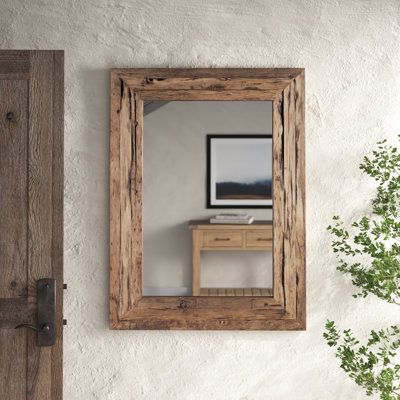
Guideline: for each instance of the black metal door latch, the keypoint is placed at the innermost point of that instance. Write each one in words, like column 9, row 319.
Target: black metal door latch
column 46, row 311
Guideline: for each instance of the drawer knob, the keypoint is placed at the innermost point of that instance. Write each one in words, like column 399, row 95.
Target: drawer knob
column 222, row 239
column 262, row 239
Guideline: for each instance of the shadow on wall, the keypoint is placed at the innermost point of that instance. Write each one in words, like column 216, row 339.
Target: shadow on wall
column 88, row 156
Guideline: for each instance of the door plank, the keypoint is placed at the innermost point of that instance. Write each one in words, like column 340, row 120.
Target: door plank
column 14, row 64
column 16, row 311
column 12, row 364
column 58, row 226
column 13, row 184
column 40, row 208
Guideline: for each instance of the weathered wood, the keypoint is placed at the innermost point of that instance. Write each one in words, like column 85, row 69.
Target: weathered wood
column 14, row 64
column 17, row 311
column 225, row 322
column 12, row 364
column 14, row 187
column 186, row 95
column 269, row 74
column 34, row 136
column 209, row 302
column 286, row 308
column 179, row 314
column 136, row 189
column 212, row 84
column 126, row 202
column 57, row 249
column 210, row 324
column 289, row 201
column 116, row 270
column 39, row 203
column 300, row 184
column 278, row 193
column 126, row 159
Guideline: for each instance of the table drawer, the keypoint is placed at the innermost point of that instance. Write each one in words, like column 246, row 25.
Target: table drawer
column 259, row 238
column 223, row 238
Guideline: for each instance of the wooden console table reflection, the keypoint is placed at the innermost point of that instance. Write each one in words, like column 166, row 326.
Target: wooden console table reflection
column 216, row 237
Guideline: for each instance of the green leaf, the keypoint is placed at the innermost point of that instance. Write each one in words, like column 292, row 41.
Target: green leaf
column 369, row 253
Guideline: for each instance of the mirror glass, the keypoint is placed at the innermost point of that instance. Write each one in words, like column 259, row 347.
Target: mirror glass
column 207, row 202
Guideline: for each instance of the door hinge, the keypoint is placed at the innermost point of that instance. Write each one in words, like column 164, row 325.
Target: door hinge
column 46, row 310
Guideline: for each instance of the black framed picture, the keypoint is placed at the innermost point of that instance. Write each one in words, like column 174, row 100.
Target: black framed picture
column 239, row 171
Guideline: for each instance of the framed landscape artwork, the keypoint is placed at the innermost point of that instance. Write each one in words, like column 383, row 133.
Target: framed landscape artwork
column 239, row 171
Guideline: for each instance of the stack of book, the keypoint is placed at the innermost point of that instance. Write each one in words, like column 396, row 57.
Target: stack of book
column 231, row 218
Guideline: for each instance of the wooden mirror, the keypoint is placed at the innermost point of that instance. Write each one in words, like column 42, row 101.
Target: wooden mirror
column 207, row 199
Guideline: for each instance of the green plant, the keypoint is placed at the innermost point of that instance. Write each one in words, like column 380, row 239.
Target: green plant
column 370, row 253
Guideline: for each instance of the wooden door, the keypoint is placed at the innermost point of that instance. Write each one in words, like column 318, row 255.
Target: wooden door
column 31, row 218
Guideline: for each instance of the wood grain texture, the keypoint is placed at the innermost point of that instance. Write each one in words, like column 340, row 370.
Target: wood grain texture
column 14, row 187
column 300, row 243
column 286, row 308
column 40, row 209
column 267, row 74
column 57, row 249
column 188, row 95
column 288, row 220
column 224, row 322
column 126, row 201
column 13, row 364
column 212, row 83
column 14, row 64
column 37, row 371
column 136, row 188
column 197, row 238
column 294, row 199
column 278, row 193
column 17, row 311
column 196, row 307
column 115, row 201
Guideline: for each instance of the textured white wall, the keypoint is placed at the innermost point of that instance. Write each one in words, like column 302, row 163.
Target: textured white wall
column 175, row 192
column 350, row 50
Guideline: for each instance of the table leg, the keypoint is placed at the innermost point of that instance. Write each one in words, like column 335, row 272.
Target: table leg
column 196, row 262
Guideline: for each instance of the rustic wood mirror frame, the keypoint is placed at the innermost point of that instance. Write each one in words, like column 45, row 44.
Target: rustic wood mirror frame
column 129, row 309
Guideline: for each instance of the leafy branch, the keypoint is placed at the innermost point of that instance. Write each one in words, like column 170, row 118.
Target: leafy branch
column 372, row 365
column 370, row 253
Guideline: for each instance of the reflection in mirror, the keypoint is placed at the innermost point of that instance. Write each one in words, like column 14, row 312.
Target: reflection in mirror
column 207, row 204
